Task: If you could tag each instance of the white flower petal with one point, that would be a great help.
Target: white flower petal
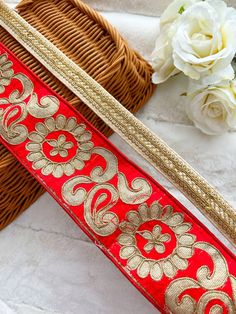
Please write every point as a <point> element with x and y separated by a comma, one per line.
<point>3,58</point>
<point>68,145</point>
<point>213,109</point>
<point>61,139</point>
<point>161,59</point>
<point>173,11</point>
<point>204,42</point>
<point>58,171</point>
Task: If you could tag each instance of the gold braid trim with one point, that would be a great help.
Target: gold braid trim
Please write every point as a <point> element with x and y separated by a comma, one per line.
<point>145,142</point>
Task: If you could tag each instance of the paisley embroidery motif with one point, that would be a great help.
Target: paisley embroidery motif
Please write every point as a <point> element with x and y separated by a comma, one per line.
<point>47,106</point>
<point>103,194</point>
<point>179,301</point>
<point>154,243</point>
<point>137,252</point>
<point>138,193</point>
<point>6,72</point>
<point>13,108</point>
<point>59,146</point>
<point>11,116</point>
<point>10,128</point>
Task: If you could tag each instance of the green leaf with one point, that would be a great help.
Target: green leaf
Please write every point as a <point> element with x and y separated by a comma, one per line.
<point>181,10</point>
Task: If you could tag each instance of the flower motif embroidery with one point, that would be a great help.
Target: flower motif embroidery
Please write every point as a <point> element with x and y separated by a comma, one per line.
<point>59,153</point>
<point>134,254</point>
<point>155,239</point>
<point>60,146</point>
<point>6,72</point>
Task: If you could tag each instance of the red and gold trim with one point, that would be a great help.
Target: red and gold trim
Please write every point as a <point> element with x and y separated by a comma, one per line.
<point>134,132</point>
<point>160,247</point>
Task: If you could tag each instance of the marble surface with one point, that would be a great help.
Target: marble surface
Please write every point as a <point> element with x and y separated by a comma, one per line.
<point>48,266</point>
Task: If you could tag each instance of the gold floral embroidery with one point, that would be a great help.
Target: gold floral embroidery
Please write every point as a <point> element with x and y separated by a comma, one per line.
<point>103,196</point>
<point>74,136</point>
<point>137,194</point>
<point>157,152</point>
<point>6,72</point>
<point>132,252</point>
<point>11,116</point>
<point>179,302</point>
<point>60,146</point>
<point>99,216</point>
<point>10,128</point>
<point>155,239</point>
<point>46,107</point>
<point>70,143</point>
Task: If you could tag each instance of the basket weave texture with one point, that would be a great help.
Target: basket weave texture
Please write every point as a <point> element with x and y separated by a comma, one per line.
<point>90,41</point>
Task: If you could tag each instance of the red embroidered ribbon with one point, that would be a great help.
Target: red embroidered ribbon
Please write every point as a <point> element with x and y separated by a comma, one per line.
<point>154,240</point>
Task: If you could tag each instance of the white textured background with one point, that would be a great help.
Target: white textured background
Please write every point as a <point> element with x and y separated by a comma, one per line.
<point>48,266</point>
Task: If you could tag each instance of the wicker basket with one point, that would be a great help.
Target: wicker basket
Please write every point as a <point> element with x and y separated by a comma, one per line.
<point>90,41</point>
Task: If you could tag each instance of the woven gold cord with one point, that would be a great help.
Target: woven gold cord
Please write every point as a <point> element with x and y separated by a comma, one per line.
<point>152,148</point>
<point>84,36</point>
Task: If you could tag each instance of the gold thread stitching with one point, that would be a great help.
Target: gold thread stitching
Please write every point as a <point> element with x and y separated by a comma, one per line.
<point>162,157</point>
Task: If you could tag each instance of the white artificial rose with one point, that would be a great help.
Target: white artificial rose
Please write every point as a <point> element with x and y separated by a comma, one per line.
<point>162,57</point>
<point>174,10</point>
<point>205,42</point>
<point>161,60</point>
<point>213,109</point>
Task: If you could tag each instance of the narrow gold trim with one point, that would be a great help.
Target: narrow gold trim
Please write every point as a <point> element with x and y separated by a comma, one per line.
<point>144,141</point>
